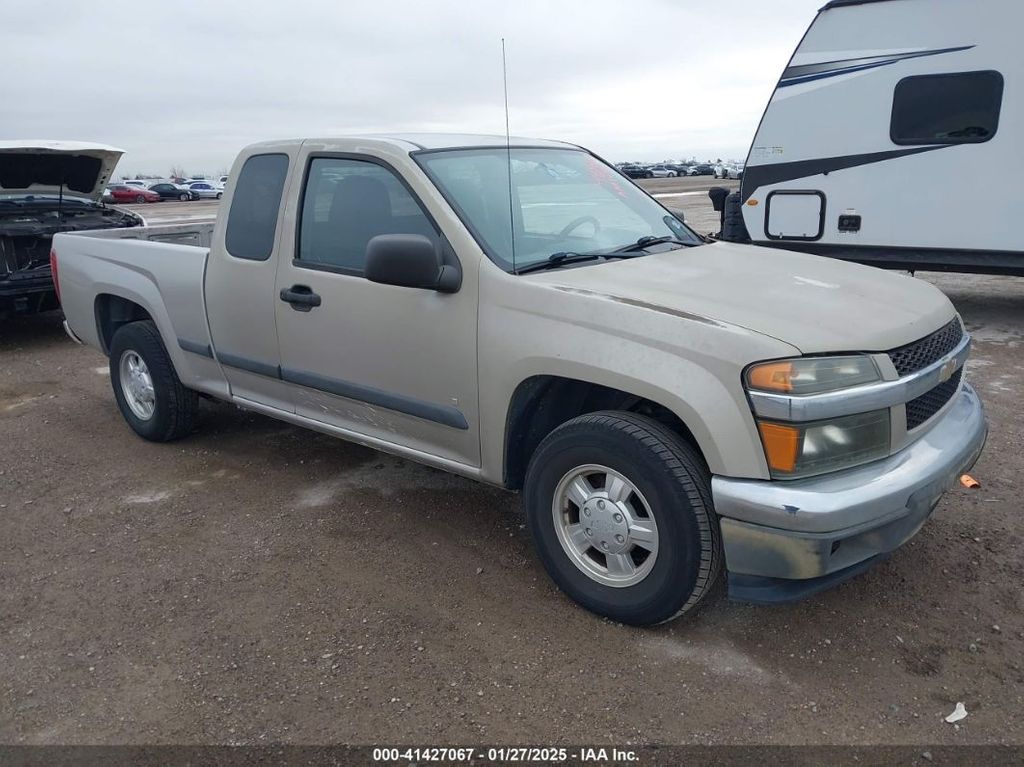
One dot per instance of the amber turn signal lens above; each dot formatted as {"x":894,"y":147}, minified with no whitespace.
{"x":781,"y":445}
{"x":772,"y":376}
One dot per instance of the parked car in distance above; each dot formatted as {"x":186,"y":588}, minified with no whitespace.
{"x":124,"y":193}
{"x":670,"y":407}
{"x":206,"y":190}
{"x":681,"y":168}
{"x":632,"y":170}
{"x":174,"y":192}
{"x":702,"y":169}
{"x":728,"y":170}
{"x":142,"y":183}
{"x":663,"y":171}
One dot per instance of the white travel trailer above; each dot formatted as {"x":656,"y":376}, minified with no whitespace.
{"x":894,"y":137}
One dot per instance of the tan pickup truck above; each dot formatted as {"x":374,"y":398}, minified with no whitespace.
{"x":525,"y":315}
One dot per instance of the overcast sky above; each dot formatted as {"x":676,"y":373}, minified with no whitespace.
{"x":189,"y":82}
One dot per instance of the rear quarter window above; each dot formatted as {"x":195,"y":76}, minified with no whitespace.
{"x":252,"y":219}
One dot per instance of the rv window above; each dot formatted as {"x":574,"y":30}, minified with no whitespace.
{"x":960,"y":108}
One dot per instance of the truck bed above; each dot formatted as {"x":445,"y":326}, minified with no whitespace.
{"x":196,"y":233}
{"x":156,"y":268}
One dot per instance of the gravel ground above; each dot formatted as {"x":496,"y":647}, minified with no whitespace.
{"x":258,"y":583}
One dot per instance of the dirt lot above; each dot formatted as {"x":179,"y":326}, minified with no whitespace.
{"x":257,"y":583}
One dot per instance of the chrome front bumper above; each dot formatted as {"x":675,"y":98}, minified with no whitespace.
{"x":786,"y":539}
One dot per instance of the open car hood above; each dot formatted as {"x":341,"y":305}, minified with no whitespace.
{"x":42,"y":167}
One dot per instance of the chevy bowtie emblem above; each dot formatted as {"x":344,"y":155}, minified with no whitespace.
{"x":947,"y":370}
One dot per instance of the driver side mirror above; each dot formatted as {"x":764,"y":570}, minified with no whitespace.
{"x":410,"y":261}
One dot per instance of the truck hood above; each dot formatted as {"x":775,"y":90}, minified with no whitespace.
{"x":814,"y":303}
{"x":42,"y":167}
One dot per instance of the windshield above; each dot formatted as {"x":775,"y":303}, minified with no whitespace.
{"x":563,"y":201}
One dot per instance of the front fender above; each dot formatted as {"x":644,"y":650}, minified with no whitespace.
{"x":686,"y":364}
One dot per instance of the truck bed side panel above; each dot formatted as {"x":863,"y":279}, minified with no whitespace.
{"x":165,"y":279}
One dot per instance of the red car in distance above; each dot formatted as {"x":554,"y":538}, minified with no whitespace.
{"x":124,"y":193}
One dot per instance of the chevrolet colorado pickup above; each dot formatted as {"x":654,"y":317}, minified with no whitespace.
{"x":48,"y":187}
{"x":522,"y":314}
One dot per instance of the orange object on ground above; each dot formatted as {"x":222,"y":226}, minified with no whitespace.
{"x":970,"y":482}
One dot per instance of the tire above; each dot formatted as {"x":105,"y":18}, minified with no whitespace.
{"x":184,"y":197}
{"x":174,"y":407}
{"x":219,"y":195}
{"x":670,"y":480}
{"x":140,"y":199}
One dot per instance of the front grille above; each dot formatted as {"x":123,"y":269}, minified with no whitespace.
{"x":928,"y":404}
{"x":920,"y":354}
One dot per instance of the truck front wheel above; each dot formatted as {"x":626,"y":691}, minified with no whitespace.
{"x":620,"y":511}
{"x":148,"y":392}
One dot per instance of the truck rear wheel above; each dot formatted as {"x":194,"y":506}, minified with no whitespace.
{"x":148,"y":392}
{"x":620,"y":511}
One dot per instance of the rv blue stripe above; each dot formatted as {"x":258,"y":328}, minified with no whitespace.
{"x":834,"y":73}
{"x":805,"y":73}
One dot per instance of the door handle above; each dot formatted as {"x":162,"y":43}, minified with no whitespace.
{"x":301,"y":297}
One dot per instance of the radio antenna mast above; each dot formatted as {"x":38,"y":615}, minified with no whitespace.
{"x":508,"y":155}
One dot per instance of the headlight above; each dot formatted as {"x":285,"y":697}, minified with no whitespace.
{"x":795,"y":450}
{"x":812,"y":375}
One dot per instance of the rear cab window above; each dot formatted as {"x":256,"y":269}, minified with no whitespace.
{"x":252,"y":219}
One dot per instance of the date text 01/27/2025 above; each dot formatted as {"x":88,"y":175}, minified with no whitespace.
{"x":523,"y":754}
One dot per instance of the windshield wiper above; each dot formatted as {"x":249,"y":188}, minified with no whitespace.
{"x":645,"y":242}
{"x":558,"y":259}
{"x":627,"y":251}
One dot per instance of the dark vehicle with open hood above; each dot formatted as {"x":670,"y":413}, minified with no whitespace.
{"x":48,"y":187}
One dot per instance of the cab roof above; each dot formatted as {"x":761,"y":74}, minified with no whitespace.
{"x":412,"y":142}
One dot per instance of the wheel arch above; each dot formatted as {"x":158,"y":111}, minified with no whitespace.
{"x":541,"y":403}
{"x":112,"y":312}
